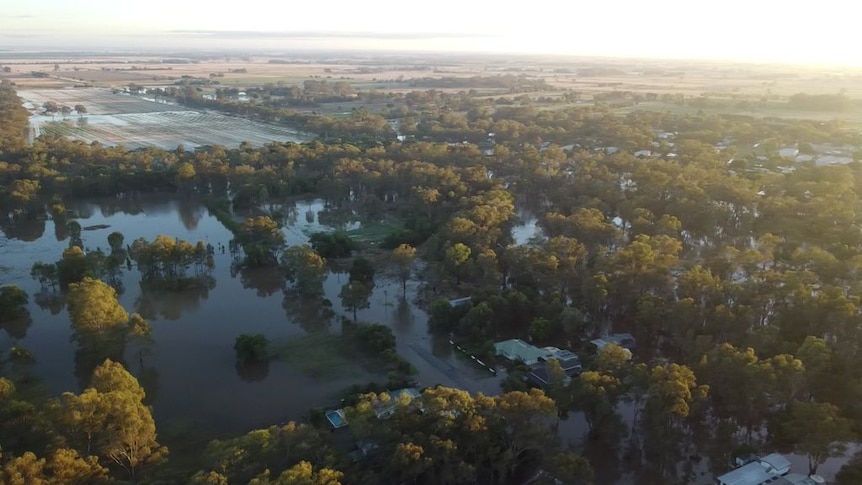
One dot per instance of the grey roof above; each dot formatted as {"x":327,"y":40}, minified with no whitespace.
{"x":778,"y":462}
{"x":771,"y":469}
{"x":751,"y":474}
{"x":516,"y":349}
{"x":624,"y":340}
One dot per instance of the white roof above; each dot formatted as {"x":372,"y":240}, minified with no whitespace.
{"x":751,"y":474}
{"x":777,"y":462}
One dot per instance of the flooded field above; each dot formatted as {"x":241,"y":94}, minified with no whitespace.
{"x":137,"y":122}
{"x":189,"y":370}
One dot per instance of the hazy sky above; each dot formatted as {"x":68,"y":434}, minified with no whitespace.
{"x":789,"y":30}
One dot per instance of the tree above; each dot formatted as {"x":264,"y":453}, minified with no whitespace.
{"x":526,"y":417}
{"x":261,"y":240}
{"x":63,"y":467}
{"x":45,"y":274}
{"x":303,"y":473}
{"x":816,"y":429}
{"x":457,"y":256}
{"x":110,"y":418}
{"x":362,"y":271}
{"x":93,"y":306}
{"x":81,"y":110}
{"x":251,"y":348}
{"x":112,"y":376}
{"x":569,"y":468}
{"x":305,"y":268}
{"x":13,"y":301}
{"x":354,"y":296}
{"x":403,"y":256}
{"x":73,"y":266}
{"x":672,"y":390}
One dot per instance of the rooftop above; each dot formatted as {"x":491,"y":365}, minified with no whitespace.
{"x":517,"y":349}
{"x":772,"y":469}
{"x":624,"y":340}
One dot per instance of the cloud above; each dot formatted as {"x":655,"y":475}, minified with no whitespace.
{"x":243,"y":34}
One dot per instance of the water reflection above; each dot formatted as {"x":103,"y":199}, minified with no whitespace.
{"x":402,"y":316}
{"x":148,"y":377}
{"x":17,"y":327}
{"x":265,"y":281}
{"x":93,"y":349}
{"x":24,"y":229}
{"x":311,"y":313}
{"x":252,"y":371}
{"x":190,"y":213}
{"x":61,"y":230}
{"x":50,"y":301}
{"x":170,"y":305}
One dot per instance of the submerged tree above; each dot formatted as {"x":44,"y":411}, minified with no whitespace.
{"x":817,"y":430}
{"x":251,"y":348}
{"x":404,"y":256}
{"x":93,"y":306}
{"x":305,"y":268}
{"x":354,"y":296}
{"x":12,"y":303}
{"x":261,"y":239}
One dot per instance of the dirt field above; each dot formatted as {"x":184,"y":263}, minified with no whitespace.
{"x":587,"y":75}
{"x":97,"y":101}
{"x":135,"y":122}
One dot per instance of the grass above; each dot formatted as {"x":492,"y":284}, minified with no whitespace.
{"x":220,"y":208}
{"x":317,"y":355}
{"x":374,"y":232}
{"x":773,"y":111}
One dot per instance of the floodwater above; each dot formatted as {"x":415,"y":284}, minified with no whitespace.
{"x":189,"y":369}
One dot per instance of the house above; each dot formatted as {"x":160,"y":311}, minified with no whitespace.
{"x":624,"y":340}
{"x":387,"y":408}
{"x":772,"y":469}
{"x":540,"y":376}
{"x":517,"y":349}
{"x":569,"y":362}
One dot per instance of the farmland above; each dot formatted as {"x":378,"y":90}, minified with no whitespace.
{"x":135,"y":122}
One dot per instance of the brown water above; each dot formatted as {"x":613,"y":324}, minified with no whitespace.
{"x":189,"y":370}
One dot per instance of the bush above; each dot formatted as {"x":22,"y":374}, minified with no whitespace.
{"x":336,"y":244}
{"x":251,"y":348}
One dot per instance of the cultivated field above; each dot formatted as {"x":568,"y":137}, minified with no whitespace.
{"x":135,"y":122}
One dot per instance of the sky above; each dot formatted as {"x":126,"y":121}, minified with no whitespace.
{"x":822,"y":31}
